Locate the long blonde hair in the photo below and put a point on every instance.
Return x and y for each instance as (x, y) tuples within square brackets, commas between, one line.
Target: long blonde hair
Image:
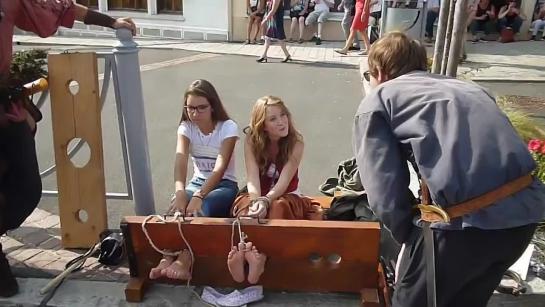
[(260, 140)]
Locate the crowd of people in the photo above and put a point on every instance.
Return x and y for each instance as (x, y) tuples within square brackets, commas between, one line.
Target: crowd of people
[(267, 18), (360, 17)]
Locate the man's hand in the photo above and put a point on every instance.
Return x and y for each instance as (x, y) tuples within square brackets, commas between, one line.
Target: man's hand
[(125, 22)]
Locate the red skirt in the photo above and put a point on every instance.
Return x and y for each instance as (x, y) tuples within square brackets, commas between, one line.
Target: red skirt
[(358, 24)]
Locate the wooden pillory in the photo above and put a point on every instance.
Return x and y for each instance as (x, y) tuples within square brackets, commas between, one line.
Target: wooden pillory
[(76, 115), (316, 256)]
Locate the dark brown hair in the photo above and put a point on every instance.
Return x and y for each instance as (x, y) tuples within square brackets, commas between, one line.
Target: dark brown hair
[(203, 88)]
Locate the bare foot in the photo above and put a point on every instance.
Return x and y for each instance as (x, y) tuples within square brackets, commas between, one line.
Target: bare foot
[(163, 264), (256, 262), (179, 269), (235, 262)]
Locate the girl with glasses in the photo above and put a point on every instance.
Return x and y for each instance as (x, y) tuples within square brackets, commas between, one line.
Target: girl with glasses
[(208, 135)]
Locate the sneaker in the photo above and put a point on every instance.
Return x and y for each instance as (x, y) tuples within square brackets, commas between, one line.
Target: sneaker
[(300, 41), (242, 297), (8, 283), (318, 41), (314, 38), (353, 48), (211, 296)]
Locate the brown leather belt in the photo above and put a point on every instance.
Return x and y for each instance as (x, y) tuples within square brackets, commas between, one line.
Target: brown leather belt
[(431, 213)]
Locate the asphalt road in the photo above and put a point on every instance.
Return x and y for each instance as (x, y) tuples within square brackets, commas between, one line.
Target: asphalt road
[(322, 98)]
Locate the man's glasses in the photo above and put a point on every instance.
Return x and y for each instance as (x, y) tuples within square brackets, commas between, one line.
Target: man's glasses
[(198, 109), (367, 76)]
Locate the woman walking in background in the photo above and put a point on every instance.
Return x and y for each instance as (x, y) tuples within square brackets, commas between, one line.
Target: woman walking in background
[(274, 22), (360, 24)]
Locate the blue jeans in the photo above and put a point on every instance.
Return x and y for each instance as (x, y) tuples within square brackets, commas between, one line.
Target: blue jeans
[(430, 20), (217, 202), (515, 23)]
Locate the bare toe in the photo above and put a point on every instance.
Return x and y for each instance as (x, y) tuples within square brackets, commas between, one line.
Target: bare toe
[(235, 263), (157, 271), (180, 269), (256, 263)]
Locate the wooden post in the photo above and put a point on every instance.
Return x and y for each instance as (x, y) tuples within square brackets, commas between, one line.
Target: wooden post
[(440, 37), (448, 37), (458, 36), (82, 190)]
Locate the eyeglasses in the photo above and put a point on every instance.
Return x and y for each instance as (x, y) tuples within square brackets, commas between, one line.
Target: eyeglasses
[(367, 76), (199, 109)]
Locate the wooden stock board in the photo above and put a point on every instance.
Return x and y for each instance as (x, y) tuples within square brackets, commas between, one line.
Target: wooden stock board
[(317, 256)]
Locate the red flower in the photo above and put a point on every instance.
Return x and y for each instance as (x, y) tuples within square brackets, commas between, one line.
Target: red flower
[(534, 145), (542, 149)]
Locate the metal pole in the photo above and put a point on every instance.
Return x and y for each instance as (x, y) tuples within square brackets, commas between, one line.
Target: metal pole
[(440, 37), (457, 37), (132, 107)]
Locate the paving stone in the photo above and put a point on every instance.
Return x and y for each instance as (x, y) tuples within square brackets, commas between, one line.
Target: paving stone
[(22, 232), (26, 253), (41, 260), (36, 238), (56, 266), (37, 215), (9, 244), (51, 244), (48, 222)]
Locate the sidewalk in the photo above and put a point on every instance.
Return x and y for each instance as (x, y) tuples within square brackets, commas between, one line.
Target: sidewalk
[(491, 61)]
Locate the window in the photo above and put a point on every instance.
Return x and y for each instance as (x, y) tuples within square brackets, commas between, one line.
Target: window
[(169, 6), (136, 5), (89, 3)]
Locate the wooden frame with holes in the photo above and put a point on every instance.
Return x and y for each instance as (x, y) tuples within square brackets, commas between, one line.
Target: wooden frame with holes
[(316, 256), (75, 116)]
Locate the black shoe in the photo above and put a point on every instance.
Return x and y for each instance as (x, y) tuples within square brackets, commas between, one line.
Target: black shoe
[(318, 41), (533, 38), (353, 48), (286, 59), (314, 38), (261, 60), (8, 283)]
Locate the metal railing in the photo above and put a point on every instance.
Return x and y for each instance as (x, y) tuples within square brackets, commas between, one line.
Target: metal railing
[(122, 66)]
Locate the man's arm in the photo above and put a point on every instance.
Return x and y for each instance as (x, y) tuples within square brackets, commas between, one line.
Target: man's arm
[(88, 16), (384, 172)]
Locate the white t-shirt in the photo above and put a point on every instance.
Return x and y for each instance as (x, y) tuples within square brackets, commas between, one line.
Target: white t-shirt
[(322, 5), (376, 7), (204, 149)]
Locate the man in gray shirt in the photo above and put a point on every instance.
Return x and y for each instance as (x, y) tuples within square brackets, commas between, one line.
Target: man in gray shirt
[(462, 146)]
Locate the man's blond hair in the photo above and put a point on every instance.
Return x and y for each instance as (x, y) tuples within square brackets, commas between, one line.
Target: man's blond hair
[(395, 54)]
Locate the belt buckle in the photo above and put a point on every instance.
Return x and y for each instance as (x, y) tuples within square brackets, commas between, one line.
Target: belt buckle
[(432, 214)]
